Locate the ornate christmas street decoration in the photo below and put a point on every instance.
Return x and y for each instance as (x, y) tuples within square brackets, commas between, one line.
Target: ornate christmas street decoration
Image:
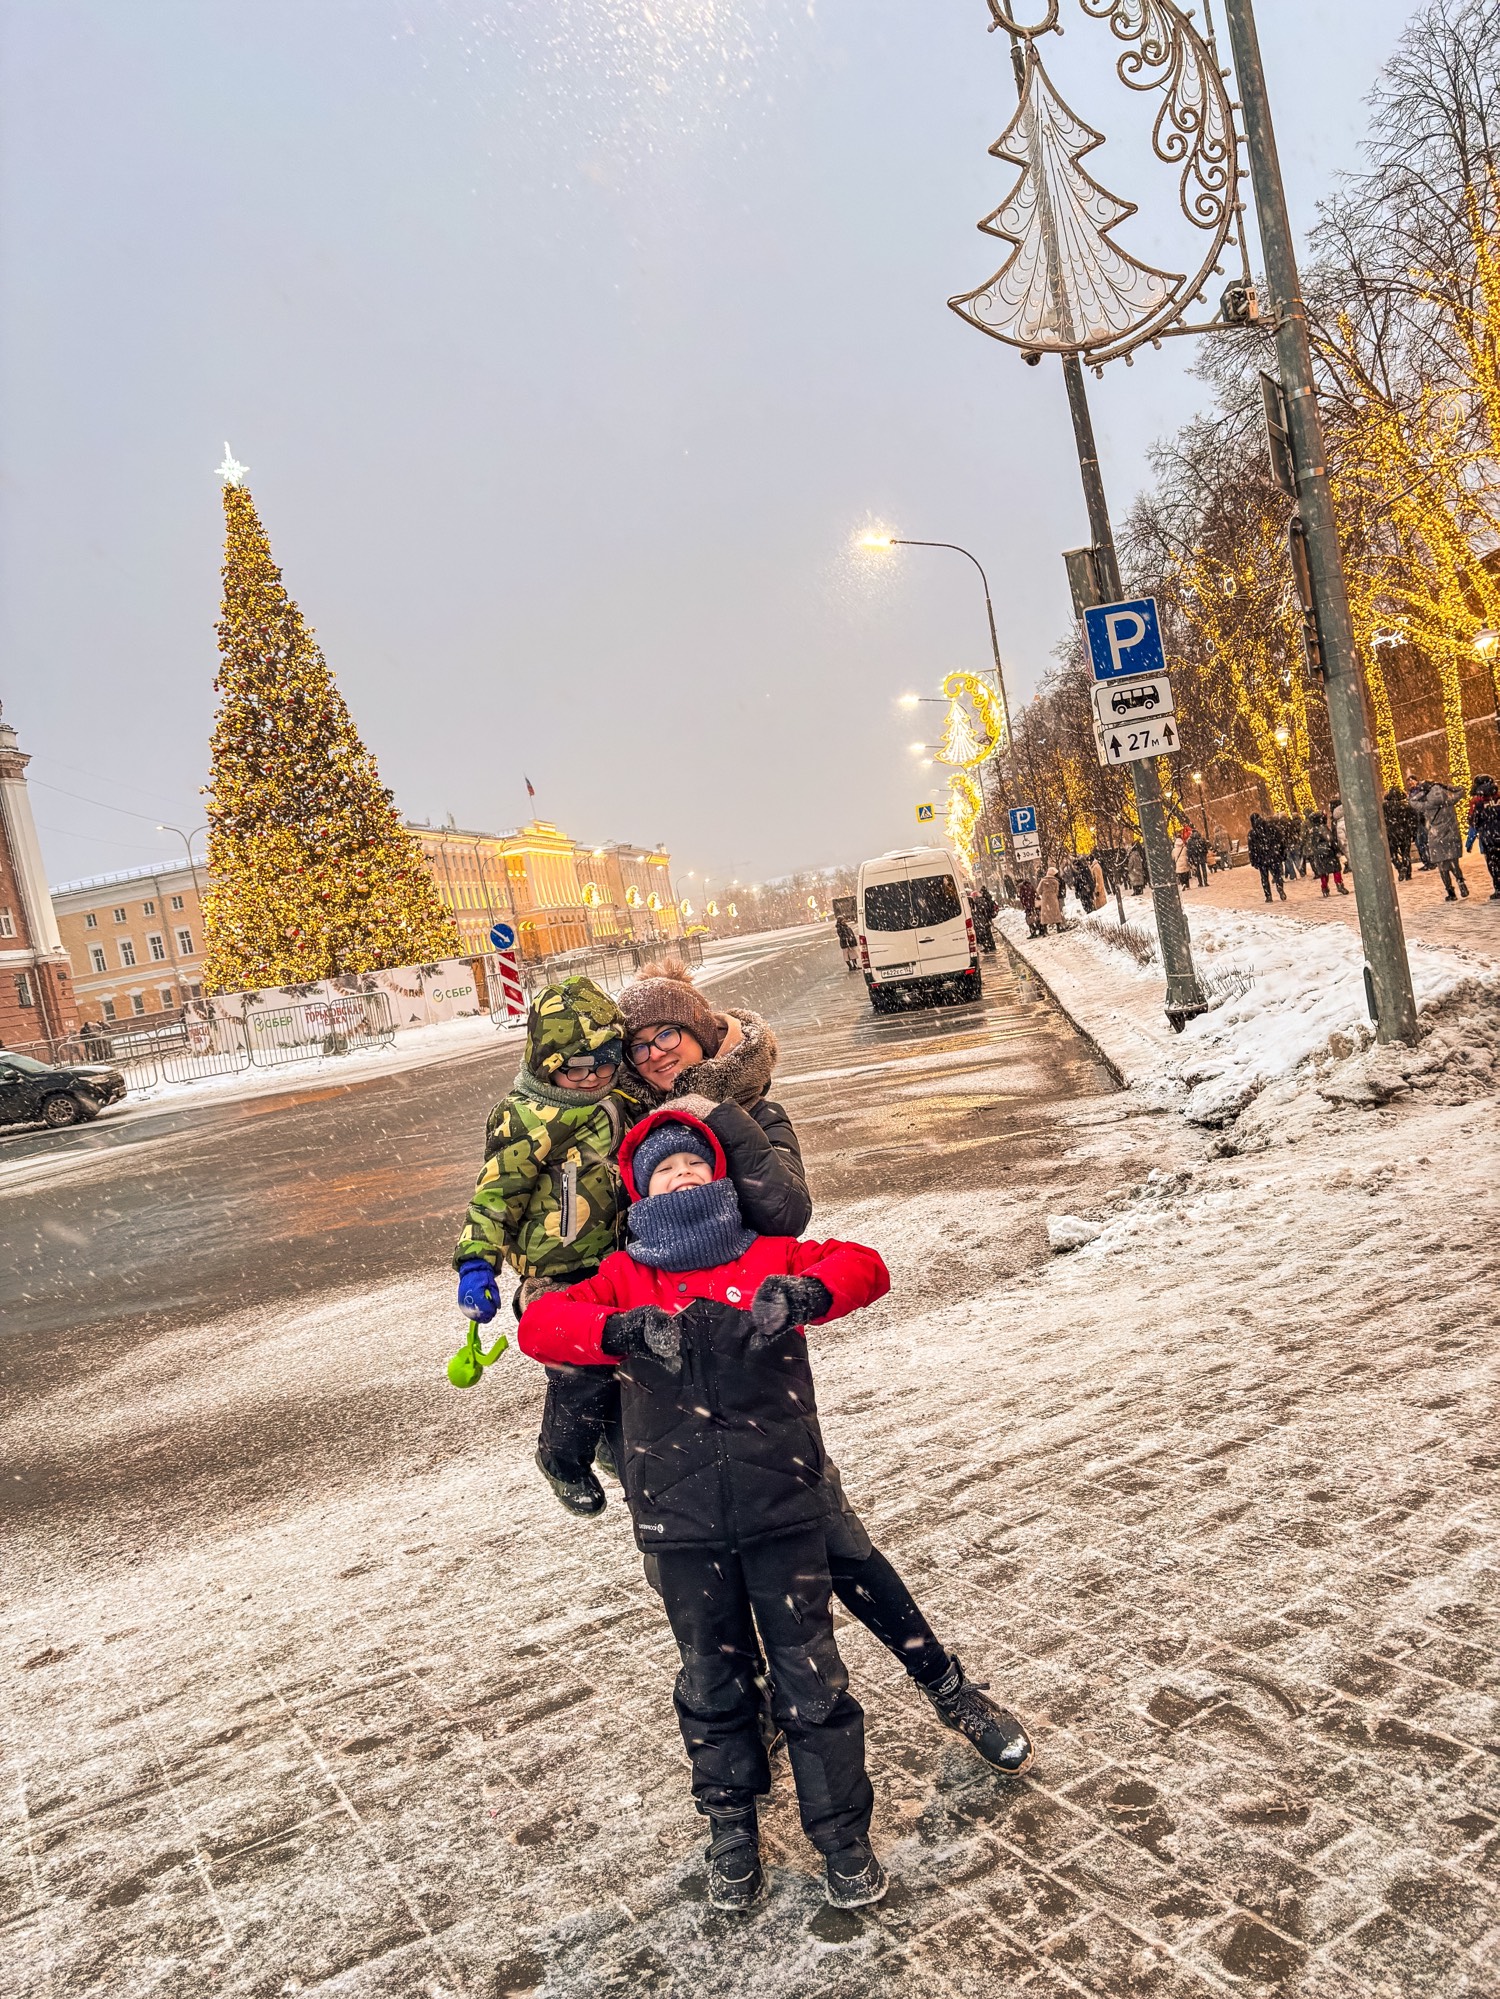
[(1067, 286), (973, 732)]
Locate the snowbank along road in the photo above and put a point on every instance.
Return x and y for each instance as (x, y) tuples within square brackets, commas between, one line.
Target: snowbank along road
[(310, 1685)]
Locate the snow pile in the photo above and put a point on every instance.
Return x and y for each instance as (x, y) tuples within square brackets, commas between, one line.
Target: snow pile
[(1307, 1001)]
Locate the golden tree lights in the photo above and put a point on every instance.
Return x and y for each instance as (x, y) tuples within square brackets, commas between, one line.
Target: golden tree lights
[(971, 736), (311, 872)]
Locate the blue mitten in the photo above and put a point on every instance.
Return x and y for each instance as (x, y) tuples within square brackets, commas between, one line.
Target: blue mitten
[(478, 1295)]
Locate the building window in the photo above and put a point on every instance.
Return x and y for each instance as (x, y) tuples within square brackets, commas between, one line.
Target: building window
[(7, 924), (24, 995), (177, 902), (96, 957), (137, 1002), (158, 945), (168, 999), (108, 1009), (185, 943), (196, 991), (127, 951), (119, 916), (91, 922), (148, 909)]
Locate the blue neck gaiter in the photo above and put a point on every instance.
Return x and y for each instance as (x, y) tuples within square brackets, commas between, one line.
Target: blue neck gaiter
[(697, 1228)]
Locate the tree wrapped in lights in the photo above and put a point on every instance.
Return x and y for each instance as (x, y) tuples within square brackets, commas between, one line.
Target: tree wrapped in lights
[(311, 871)]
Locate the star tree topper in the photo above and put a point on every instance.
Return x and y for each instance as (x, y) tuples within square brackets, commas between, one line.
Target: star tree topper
[(231, 471)]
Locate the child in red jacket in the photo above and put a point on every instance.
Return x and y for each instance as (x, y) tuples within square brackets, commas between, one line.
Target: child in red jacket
[(723, 1470)]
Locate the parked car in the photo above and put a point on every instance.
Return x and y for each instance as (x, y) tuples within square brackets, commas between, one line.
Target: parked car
[(33, 1092), (916, 934)]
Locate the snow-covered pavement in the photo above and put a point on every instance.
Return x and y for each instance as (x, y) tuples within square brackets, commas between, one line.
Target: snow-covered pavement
[(1210, 1499)]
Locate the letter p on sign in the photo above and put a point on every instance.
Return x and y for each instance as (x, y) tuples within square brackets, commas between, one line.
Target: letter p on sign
[(1124, 639)]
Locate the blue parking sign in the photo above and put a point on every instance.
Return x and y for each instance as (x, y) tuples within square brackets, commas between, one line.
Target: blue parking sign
[(1124, 639), (1022, 820)]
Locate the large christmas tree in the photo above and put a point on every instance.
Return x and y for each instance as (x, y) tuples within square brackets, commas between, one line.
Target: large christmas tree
[(311, 871)]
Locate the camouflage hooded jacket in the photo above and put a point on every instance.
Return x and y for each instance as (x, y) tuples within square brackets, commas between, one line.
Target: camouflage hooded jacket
[(549, 1201)]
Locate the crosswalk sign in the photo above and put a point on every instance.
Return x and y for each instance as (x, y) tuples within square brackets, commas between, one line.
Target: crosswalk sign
[(997, 843), (925, 815)]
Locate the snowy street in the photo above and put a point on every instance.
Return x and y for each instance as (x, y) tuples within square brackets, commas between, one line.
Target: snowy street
[(311, 1686)]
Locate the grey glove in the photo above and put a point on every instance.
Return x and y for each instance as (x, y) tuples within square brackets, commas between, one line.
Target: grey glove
[(787, 1301), (647, 1332)]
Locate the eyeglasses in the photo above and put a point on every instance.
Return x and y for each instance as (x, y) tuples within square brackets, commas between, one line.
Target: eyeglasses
[(664, 1038), (605, 1062)]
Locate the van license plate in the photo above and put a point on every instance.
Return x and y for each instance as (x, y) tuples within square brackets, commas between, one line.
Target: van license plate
[(894, 971)]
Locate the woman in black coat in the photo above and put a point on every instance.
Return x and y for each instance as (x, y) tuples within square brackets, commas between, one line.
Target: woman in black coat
[(718, 1067)]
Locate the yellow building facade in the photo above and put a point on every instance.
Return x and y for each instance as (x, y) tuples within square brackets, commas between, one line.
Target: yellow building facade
[(557, 894)]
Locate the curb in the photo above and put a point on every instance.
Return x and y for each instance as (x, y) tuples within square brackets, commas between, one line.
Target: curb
[(1020, 961)]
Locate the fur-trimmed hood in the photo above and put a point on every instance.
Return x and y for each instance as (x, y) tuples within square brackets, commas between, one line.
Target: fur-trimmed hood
[(740, 1074)]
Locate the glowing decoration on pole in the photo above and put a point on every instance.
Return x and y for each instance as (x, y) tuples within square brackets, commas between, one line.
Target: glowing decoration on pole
[(972, 734)]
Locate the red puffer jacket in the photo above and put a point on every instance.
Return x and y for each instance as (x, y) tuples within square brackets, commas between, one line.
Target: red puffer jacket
[(728, 1450)]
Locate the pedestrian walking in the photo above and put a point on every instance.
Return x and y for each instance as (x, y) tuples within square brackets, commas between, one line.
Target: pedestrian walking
[(1289, 830), (1026, 896), (1400, 830), (1265, 854), (1484, 826), (1049, 913), (1137, 874), (1101, 886), (1414, 793), (985, 909), (1180, 861), (718, 1066), (848, 942), (1322, 851), (1197, 853), (1444, 841)]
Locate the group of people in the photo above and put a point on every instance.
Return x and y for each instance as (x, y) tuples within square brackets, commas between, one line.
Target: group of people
[(1192, 856), (650, 1196), (1423, 819), (1042, 901), (1284, 846)]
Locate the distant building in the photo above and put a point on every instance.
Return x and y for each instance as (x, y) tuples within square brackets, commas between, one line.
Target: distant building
[(557, 894), (36, 982), (135, 939)]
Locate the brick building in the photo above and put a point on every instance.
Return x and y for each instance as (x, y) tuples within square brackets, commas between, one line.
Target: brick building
[(36, 984), (557, 894), (135, 939)]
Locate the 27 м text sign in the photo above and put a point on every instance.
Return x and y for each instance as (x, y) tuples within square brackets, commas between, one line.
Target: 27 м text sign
[(1124, 639)]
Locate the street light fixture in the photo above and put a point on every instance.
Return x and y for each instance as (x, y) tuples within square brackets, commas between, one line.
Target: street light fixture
[(187, 840)]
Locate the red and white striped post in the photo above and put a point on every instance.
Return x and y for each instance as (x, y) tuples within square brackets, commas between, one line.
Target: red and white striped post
[(504, 940)]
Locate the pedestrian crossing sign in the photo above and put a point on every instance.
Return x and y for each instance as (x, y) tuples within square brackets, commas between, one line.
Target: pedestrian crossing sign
[(997, 843), (925, 815)]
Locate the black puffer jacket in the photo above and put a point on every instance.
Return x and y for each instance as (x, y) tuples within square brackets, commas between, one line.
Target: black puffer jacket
[(1262, 845), (728, 1092)]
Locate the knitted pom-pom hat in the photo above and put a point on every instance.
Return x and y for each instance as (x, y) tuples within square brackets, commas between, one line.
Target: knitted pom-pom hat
[(665, 996), (661, 1141)]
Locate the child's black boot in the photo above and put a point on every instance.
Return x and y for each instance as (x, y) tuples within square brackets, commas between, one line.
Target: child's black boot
[(994, 1731), (854, 1878), (736, 1879), (579, 1491)]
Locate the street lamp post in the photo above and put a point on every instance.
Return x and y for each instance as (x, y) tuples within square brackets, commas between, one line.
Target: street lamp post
[(187, 841), (909, 541), (1380, 925)]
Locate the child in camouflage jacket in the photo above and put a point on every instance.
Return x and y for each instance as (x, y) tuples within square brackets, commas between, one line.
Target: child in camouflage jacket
[(549, 1203)]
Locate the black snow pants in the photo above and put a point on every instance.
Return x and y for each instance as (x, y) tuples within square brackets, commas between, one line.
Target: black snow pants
[(712, 1595), (583, 1404), (1492, 862), (1269, 874)]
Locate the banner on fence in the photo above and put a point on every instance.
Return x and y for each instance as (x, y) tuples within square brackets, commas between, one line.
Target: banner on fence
[(417, 995)]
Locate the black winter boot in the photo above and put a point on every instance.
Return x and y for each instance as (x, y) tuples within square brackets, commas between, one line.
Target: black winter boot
[(736, 1879), (604, 1460), (580, 1492), (853, 1877), (997, 1735)]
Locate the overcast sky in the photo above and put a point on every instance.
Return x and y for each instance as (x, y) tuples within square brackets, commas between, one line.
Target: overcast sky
[(569, 343)]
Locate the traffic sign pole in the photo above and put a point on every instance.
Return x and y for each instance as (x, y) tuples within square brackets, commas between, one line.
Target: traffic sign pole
[(1185, 997), (508, 972), (1348, 720)]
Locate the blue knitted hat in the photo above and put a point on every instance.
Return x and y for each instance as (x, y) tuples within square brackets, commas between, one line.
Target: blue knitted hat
[(660, 1143)]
